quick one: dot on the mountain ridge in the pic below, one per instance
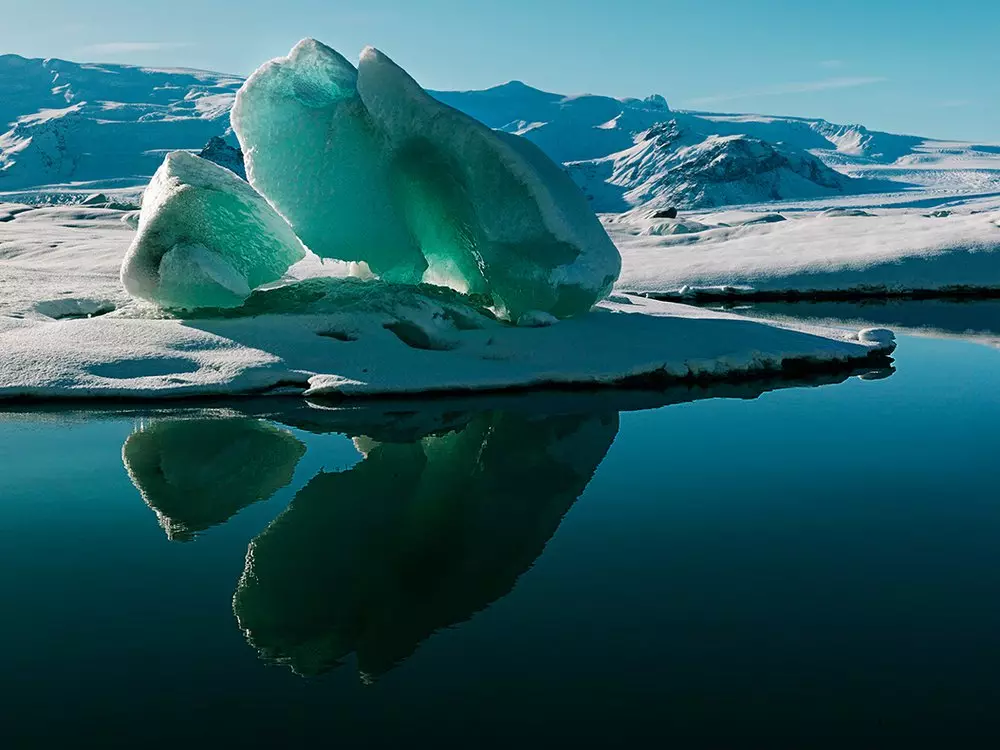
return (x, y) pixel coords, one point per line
(93, 125)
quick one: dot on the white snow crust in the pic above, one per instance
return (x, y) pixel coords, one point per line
(340, 336)
(869, 251)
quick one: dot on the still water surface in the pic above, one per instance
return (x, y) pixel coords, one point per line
(782, 563)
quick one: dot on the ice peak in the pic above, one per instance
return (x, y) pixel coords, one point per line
(370, 52)
(386, 174)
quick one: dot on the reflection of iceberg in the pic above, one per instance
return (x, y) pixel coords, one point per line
(454, 499)
(196, 473)
(418, 536)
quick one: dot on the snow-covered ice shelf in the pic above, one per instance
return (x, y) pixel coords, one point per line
(402, 342)
(343, 336)
(838, 253)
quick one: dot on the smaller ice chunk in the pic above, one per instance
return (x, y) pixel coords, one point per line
(881, 337)
(205, 239)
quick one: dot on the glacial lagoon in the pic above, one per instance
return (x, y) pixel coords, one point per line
(809, 561)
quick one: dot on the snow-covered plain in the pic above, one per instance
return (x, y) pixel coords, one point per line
(798, 251)
(344, 336)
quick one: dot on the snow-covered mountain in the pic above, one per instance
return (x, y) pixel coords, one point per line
(91, 126)
(669, 165)
(110, 125)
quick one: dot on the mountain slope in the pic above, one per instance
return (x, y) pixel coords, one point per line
(672, 165)
(63, 122)
(95, 127)
(567, 128)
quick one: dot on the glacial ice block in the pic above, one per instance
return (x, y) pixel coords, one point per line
(367, 166)
(312, 149)
(206, 238)
(487, 207)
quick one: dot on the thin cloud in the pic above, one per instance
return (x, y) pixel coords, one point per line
(956, 103)
(127, 48)
(784, 89)
(831, 64)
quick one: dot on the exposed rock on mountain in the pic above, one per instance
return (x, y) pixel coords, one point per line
(219, 151)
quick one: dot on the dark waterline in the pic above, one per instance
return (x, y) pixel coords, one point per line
(810, 566)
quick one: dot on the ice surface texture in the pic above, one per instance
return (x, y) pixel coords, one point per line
(206, 238)
(366, 166)
(310, 146)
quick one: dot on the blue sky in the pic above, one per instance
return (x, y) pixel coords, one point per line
(929, 68)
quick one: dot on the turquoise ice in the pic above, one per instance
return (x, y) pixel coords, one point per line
(366, 166)
(206, 238)
(312, 149)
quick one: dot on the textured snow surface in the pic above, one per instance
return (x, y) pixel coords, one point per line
(59, 258)
(396, 343)
(369, 167)
(206, 238)
(337, 336)
(878, 250)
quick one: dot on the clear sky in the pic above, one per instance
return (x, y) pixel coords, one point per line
(919, 66)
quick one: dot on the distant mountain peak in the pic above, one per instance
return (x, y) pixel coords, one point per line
(109, 125)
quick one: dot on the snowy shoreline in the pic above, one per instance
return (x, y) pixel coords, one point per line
(856, 294)
(59, 265)
(843, 253)
(412, 347)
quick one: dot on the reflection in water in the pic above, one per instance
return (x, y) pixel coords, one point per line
(197, 473)
(975, 320)
(418, 536)
(453, 501)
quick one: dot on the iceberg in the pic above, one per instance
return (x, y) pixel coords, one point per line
(488, 202)
(310, 146)
(367, 166)
(205, 239)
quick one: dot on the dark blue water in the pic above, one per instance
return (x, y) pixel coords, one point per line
(782, 564)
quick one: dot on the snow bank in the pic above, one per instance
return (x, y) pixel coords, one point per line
(888, 252)
(351, 338)
(61, 257)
